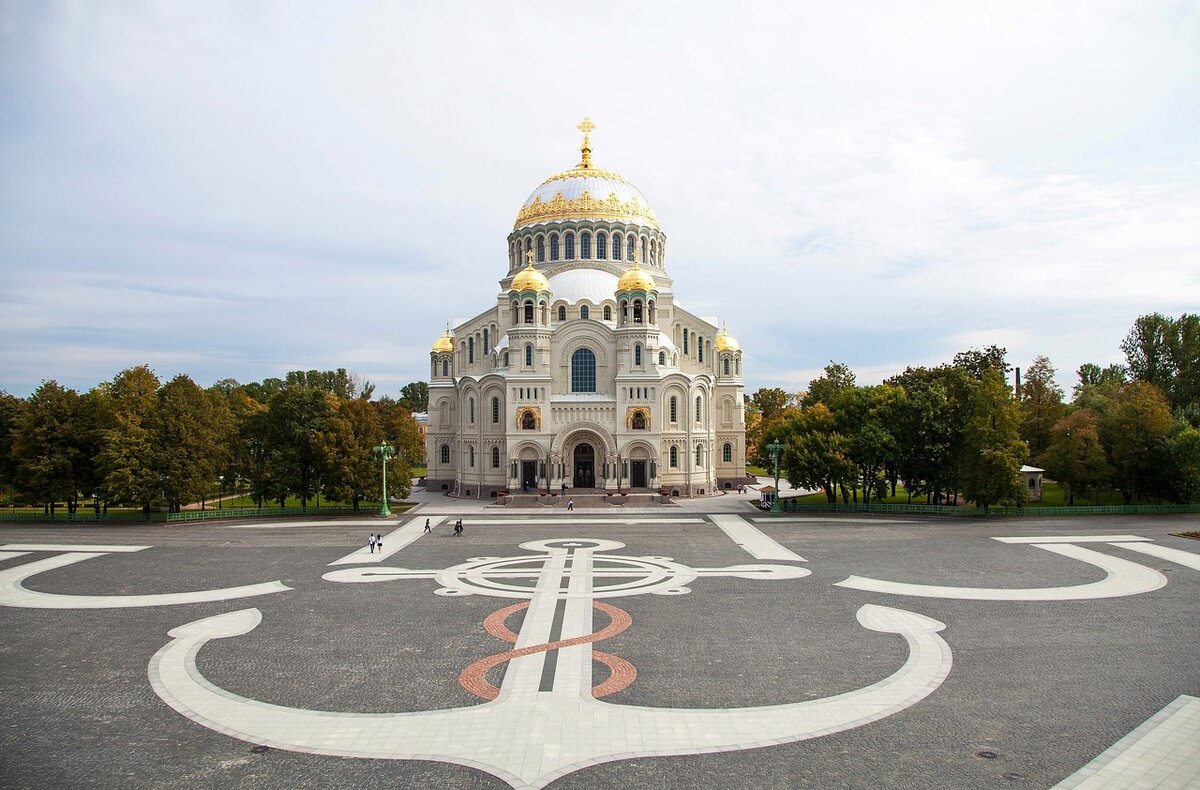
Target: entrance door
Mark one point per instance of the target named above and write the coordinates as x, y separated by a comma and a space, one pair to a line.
529, 475
585, 467
637, 474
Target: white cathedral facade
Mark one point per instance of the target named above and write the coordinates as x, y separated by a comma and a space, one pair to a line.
585, 373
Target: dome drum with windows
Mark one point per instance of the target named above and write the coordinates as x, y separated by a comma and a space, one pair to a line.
585, 372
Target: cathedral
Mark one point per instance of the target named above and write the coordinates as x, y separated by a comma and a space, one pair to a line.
585, 373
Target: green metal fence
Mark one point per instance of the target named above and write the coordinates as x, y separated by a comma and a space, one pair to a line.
266, 512
81, 516
973, 512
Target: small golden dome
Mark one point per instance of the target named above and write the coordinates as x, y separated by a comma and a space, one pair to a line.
445, 343
726, 341
530, 279
636, 280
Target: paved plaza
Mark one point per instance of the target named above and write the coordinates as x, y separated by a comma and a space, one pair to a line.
674, 647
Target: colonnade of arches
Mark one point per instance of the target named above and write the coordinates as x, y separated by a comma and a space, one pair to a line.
588, 244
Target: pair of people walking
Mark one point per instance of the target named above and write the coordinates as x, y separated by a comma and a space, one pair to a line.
374, 542
458, 528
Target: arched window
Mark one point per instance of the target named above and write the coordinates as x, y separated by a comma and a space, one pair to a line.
471, 406
616, 246
541, 244
495, 457
445, 367
601, 246
562, 313
583, 312
638, 423
607, 313
583, 370
445, 454
529, 312
637, 311
629, 249
569, 243
700, 348
685, 341
486, 344
674, 409
674, 457
585, 245
662, 357
528, 356
470, 350
698, 404
505, 359
644, 258
727, 452
637, 356
495, 410
528, 421
471, 456
554, 247
699, 456
725, 365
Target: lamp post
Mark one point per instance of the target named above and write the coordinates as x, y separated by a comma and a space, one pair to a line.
220, 492
384, 453
775, 448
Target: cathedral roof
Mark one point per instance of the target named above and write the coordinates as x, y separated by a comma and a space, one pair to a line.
586, 192
445, 342
577, 285
726, 341
529, 279
636, 279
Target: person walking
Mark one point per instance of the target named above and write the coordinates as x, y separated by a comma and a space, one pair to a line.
379, 543
458, 528
427, 528
570, 504
371, 544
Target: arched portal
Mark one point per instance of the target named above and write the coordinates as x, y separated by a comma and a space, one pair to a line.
584, 464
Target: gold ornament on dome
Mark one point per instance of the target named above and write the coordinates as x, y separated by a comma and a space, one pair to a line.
445, 343
530, 279
586, 206
726, 341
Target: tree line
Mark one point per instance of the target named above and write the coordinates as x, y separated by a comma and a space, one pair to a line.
960, 429
137, 441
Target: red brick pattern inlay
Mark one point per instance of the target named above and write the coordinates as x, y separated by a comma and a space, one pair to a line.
621, 672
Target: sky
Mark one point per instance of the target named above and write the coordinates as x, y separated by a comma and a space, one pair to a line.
240, 189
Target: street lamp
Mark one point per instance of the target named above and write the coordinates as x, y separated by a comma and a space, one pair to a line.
775, 448
220, 492
384, 453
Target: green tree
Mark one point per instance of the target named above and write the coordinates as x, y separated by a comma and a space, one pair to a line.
186, 436
346, 386
1134, 426
415, 396
350, 471
1075, 456
927, 430
993, 450
1041, 405
978, 361
814, 454
1165, 352
125, 459
1180, 465
294, 452
10, 415
825, 388
772, 404
864, 415
47, 451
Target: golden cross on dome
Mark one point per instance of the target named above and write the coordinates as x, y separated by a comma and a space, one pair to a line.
529, 256
586, 126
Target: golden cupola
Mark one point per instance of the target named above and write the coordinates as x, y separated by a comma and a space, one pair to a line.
586, 192
445, 343
726, 341
636, 279
530, 279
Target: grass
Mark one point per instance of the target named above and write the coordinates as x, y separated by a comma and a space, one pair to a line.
1053, 495
758, 471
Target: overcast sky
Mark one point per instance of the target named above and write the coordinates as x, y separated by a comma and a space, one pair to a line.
241, 189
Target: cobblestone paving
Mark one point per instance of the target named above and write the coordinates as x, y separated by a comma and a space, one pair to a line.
1037, 690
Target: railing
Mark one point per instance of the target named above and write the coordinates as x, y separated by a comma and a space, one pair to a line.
974, 512
266, 512
82, 515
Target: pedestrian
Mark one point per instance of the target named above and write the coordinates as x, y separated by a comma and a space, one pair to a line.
570, 504
379, 543
371, 544
427, 525
458, 528
564, 488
